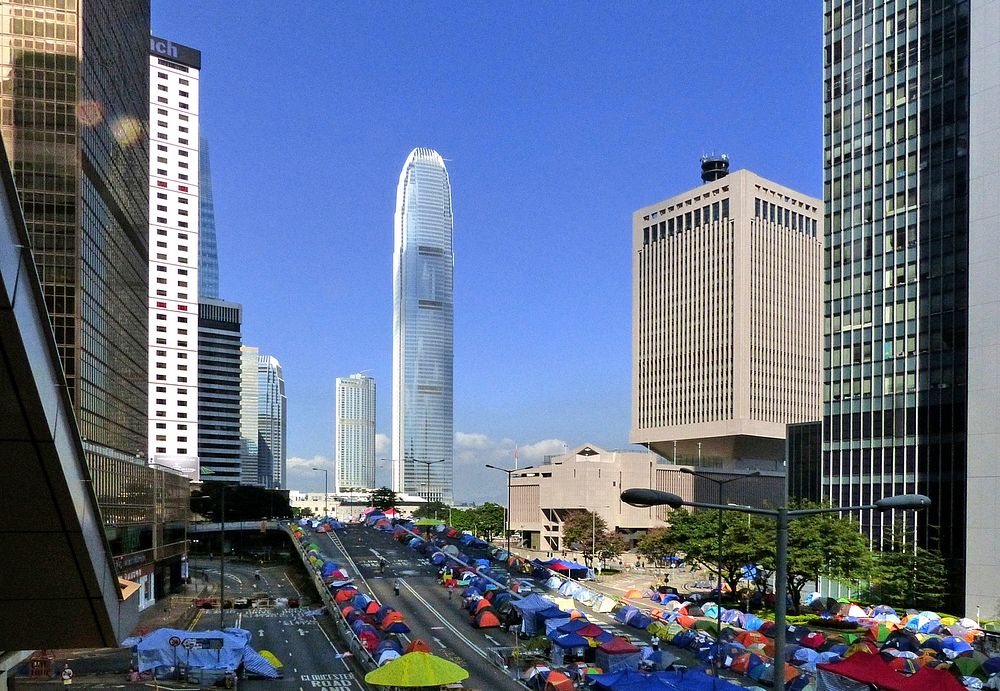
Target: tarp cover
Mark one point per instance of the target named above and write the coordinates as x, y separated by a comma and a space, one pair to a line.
869, 668
223, 650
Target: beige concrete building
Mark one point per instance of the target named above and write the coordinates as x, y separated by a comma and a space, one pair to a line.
591, 478
727, 309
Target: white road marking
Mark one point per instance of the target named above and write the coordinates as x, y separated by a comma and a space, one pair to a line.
292, 585
438, 640
475, 648
490, 638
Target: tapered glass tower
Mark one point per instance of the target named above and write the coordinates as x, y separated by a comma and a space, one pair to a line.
423, 330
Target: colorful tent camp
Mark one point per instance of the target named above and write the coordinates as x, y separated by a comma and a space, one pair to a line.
869, 669
417, 670
486, 619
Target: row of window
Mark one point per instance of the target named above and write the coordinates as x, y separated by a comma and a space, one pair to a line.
710, 213
783, 216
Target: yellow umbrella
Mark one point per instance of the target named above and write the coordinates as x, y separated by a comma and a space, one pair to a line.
415, 670
270, 657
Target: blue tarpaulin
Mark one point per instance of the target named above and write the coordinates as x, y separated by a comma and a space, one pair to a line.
221, 650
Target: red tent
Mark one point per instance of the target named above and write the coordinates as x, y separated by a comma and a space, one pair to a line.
872, 669
590, 631
486, 619
618, 645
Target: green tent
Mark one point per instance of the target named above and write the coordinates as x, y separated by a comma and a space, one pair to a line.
415, 670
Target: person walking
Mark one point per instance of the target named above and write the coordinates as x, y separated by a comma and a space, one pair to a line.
395, 587
256, 575
655, 641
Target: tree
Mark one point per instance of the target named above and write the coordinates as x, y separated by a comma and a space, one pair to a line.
824, 545
657, 544
434, 509
461, 519
579, 528
488, 519
909, 576
301, 511
383, 498
609, 546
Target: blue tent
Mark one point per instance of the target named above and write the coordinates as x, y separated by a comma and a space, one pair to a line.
570, 640
211, 650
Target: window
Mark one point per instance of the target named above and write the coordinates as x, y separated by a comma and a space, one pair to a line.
161, 87
161, 111
183, 93
161, 147
183, 82
756, 208
725, 207
161, 195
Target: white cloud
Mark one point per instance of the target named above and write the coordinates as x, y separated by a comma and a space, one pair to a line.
303, 478
382, 444
476, 483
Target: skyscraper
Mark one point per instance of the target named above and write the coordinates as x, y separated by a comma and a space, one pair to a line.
272, 407
249, 416
726, 319
219, 377
423, 329
355, 433
173, 258
208, 247
911, 386
74, 121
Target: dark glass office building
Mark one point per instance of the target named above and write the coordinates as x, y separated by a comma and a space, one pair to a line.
219, 341
896, 146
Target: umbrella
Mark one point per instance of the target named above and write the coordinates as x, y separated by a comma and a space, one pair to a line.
428, 522
417, 670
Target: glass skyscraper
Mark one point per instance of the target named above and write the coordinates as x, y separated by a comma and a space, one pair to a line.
423, 330
896, 146
272, 408
208, 248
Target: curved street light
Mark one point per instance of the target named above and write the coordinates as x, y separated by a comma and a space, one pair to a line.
645, 498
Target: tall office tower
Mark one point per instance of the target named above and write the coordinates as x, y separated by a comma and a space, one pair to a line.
423, 330
272, 407
726, 319
219, 376
173, 255
355, 433
911, 315
249, 412
73, 115
208, 247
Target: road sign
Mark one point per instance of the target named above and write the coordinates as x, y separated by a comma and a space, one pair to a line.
191, 643
174, 641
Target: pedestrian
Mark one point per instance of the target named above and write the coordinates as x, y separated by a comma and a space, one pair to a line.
451, 591
256, 575
655, 641
395, 587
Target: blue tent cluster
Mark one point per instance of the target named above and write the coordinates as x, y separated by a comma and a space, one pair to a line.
160, 651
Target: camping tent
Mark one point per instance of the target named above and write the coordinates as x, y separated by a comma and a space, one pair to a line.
871, 669
486, 619
617, 654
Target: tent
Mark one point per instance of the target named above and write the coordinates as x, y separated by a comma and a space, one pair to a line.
218, 650
486, 619
416, 670
570, 640
617, 654
869, 669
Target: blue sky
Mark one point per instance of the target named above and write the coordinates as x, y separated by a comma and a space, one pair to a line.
556, 120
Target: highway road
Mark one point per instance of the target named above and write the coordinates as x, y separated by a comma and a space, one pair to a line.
433, 617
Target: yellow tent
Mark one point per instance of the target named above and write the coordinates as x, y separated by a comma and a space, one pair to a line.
269, 656
415, 670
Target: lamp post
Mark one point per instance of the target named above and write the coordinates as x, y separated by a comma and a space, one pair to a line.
222, 557
326, 490
506, 513
643, 497
428, 464
718, 605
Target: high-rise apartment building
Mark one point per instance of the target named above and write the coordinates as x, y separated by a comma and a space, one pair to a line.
726, 319
272, 407
249, 416
911, 387
173, 255
423, 330
73, 115
219, 376
208, 247
355, 433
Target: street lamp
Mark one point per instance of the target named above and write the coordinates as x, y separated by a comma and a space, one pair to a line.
222, 557
326, 488
643, 497
428, 464
507, 513
718, 605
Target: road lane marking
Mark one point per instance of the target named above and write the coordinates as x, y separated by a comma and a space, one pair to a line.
490, 638
475, 648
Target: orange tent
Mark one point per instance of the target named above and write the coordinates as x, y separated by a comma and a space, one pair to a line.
345, 594
557, 681
748, 638
685, 621
372, 607
481, 605
486, 619
390, 619
418, 646
741, 664
633, 594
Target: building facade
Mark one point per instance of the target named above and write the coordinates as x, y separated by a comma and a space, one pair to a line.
899, 347
219, 376
355, 433
423, 330
74, 118
208, 246
983, 486
592, 479
726, 319
272, 410
249, 416
173, 255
